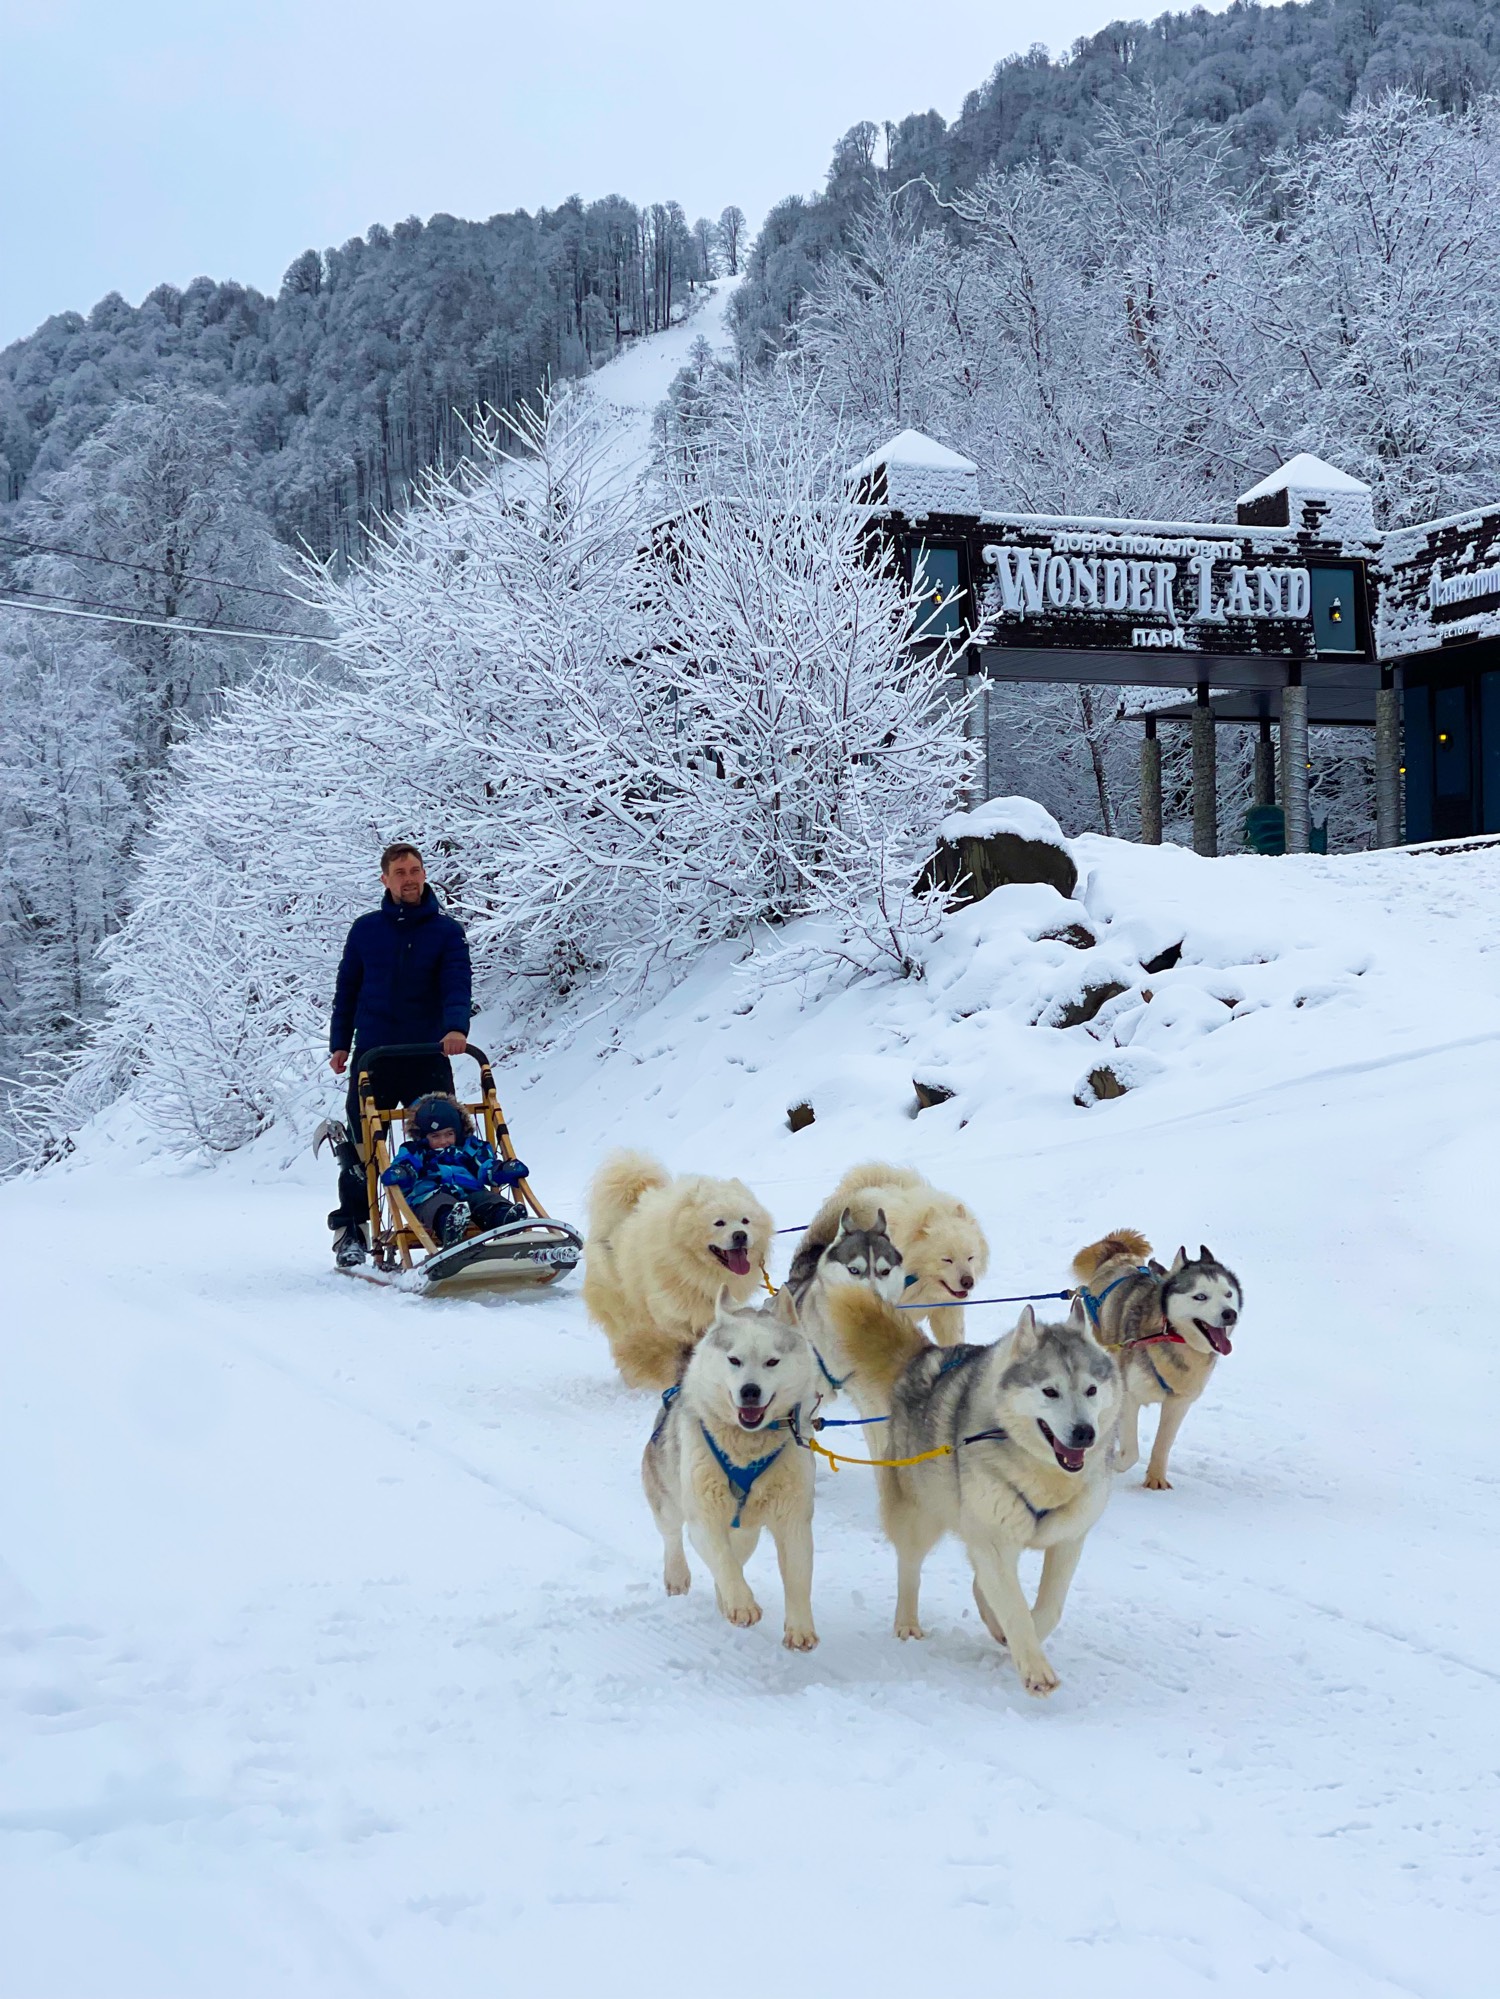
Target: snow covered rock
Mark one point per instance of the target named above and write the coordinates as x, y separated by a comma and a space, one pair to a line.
1122, 1073
1007, 840
1078, 1010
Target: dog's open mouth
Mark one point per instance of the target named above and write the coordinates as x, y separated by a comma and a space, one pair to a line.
950, 1290
752, 1415
1216, 1336
737, 1260
1069, 1456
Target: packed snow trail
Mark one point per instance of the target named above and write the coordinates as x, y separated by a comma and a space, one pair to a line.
336, 1657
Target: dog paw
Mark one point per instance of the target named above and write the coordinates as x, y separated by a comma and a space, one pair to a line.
800, 1638
743, 1614
909, 1628
1039, 1679
1157, 1481
679, 1585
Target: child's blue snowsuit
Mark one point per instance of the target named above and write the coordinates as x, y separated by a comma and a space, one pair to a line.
471, 1171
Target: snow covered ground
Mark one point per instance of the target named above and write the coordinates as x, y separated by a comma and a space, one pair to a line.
334, 1657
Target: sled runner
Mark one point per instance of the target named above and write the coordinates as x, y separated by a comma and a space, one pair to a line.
537, 1250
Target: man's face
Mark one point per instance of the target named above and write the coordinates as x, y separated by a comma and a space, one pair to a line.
405, 879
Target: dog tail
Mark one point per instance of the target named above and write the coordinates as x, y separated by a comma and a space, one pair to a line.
880, 1341
621, 1180
1123, 1242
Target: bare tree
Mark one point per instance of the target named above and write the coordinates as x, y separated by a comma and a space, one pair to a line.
731, 236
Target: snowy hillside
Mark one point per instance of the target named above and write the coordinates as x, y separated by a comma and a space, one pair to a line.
336, 1659
627, 390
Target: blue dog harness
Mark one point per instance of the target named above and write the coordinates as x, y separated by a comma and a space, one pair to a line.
741, 1477
669, 1396
1093, 1305
835, 1382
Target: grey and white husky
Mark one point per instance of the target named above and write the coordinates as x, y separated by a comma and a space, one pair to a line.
723, 1461
1166, 1328
855, 1256
1025, 1429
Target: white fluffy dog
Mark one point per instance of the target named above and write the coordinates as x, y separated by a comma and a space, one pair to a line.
942, 1245
659, 1252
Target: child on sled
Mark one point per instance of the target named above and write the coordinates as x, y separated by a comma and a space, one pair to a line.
449, 1175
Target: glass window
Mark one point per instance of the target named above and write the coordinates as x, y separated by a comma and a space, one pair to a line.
1335, 610
938, 575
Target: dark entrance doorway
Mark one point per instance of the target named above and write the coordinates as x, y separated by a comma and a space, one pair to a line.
1452, 715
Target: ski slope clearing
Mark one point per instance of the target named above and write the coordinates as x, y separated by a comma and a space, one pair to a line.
335, 1654
628, 389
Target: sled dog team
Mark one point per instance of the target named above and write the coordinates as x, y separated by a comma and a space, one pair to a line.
1008, 1446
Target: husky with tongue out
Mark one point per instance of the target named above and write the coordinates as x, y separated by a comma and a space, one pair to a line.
723, 1461
1167, 1328
659, 1251
1014, 1440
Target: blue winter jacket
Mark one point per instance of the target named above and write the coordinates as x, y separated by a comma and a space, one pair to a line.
404, 976
471, 1167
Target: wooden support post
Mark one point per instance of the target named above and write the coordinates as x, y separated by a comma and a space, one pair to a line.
1294, 799
1387, 761
1205, 776
1150, 785
1265, 765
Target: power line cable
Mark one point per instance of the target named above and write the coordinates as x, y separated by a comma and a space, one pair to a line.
74, 607
144, 568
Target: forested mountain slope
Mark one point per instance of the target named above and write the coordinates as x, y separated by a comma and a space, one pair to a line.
366, 366
1268, 77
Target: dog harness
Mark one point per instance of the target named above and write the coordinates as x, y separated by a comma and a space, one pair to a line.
741, 1477
1093, 1304
960, 1358
835, 1382
669, 1396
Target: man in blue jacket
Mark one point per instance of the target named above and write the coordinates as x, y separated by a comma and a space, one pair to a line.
404, 977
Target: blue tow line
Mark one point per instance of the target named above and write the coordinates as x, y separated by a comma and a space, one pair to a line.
1020, 1298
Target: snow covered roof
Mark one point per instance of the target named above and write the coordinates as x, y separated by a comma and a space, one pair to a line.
912, 447
922, 476
1305, 474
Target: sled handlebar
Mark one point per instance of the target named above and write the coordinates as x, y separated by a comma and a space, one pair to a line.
365, 1056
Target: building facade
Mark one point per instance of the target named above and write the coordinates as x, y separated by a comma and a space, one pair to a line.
1298, 612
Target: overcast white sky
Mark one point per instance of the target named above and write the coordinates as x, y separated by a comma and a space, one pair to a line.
152, 140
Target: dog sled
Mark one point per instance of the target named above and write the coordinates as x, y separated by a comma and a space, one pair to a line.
537, 1250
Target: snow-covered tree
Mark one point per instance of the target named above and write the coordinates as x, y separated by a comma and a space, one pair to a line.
822, 741
66, 826
218, 978
151, 516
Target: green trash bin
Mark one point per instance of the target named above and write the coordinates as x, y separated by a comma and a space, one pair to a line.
1265, 830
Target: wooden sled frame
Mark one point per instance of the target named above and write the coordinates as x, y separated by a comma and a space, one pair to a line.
399, 1244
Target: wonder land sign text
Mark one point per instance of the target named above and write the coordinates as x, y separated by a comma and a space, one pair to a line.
1180, 594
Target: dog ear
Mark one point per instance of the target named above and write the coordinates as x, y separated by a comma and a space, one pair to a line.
846, 1224
879, 1220
1025, 1333
1078, 1316
783, 1307
1179, 1260
1205, 1254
